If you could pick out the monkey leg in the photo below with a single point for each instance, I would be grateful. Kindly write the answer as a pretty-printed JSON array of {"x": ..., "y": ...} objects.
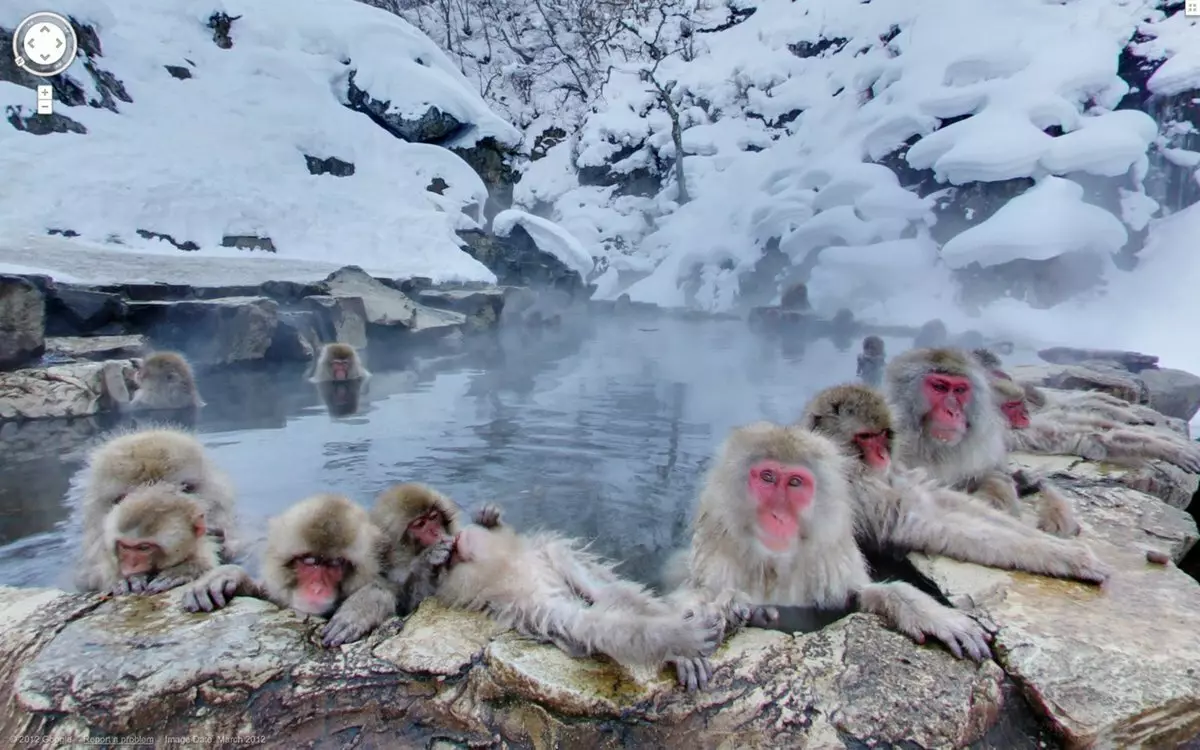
[
  {"x": 598, "y": 583},
  {"x": 998, "y": 490},
  {"x": 216, "y": 588},
  {"x": 489, "y": 516},
  {"x": 1055, "y": 514},
  {"x": 918, "y": 615},
  {"x": 362, "y": 612}
]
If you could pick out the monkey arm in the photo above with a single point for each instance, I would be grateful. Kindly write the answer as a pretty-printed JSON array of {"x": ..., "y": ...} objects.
[
  {"x": 362, "y": 612},
  {"x": 1133, "y": 444},
  {"x": 918, "y": 615},
  {"x": 216, "y": 588},
  {"x": 423, "y": 575}
]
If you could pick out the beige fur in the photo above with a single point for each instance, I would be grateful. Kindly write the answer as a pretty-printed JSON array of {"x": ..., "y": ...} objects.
[
  {"x": 413, "y": 571},
  {"x": 323, "y": 371},
  {"x": 141, "y": 457},
  {"x": 165, "y": 381},
  {"x": 823, "y": 566}
]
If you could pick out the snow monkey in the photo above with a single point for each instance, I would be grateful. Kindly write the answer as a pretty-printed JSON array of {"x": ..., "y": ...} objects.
[
  {"x": 872, "y": 361},
  {"x": 339, "y": 362},
  {"x": 902, "y": 508},
  {"x": 547, "y": 587},
  {"x": 1092, "y": 437},
  {"x": 155, "y": 540},
  {"x": 419, "y": 525},
  {"x": 322, "y": 558},
  {"x": 131, "y": 460},
  {"x": 948, "y": 423},
  {"x": 775, "y": 525},
  {"x": 165, "y": 381}
]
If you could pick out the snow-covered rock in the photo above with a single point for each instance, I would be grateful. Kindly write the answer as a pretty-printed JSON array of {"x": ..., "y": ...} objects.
[
  {"x": 549, "y": 238},
  {"x": 220, "y": 144}
]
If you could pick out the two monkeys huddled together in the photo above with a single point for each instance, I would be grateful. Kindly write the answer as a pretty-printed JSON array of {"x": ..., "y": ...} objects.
[{"x": 783, "y": 518}]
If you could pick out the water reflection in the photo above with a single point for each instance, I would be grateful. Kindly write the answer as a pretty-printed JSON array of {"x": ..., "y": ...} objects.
[{"x": 601, "y": 429}]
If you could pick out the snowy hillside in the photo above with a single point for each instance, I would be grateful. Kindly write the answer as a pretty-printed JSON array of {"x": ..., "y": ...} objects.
[
  {"x": 206, "y": 144},
  {"x": 838, "y": 132}
]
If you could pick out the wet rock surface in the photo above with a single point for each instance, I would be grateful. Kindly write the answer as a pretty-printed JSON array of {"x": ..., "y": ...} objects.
[
  {"x": 22, "y": 321},
  {"x": 68, "y": 390}
]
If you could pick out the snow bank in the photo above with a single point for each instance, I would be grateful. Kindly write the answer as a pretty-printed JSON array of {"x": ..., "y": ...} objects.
[
  {"x": 223, "y": 152},
  {"x": 548, "y": 236},
  {"x": 1044, "y": 222},
  {"x": 760, "y": 111}
]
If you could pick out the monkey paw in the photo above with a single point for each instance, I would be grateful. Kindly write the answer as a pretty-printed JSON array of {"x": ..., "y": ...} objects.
[
  {"x": 161, "y": 584},
  {"x": 439, "y": 552},
  {"x": 961, "y": 634},
  {"x": 1059, "y": 523},
  {"x": 342, "y": 630},
  {"x": 488, "y": 516},
  {"x": 1189, "y": 459},
  {"x": 211, "y": 593},
  {"x": 132, "y": 585},
  {"x": 693, "y": 674},
  {"x": 1085, "y": 566}
]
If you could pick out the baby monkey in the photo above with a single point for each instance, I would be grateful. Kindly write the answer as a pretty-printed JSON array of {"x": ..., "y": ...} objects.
[
  {"x": 872, "y": 361},
  {"x": 156, "y": 540},
  {"x": 165, "y": 381}
]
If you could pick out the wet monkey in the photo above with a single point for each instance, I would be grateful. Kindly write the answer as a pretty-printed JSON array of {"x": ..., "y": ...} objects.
[
  {"x": 775, "y": 526},
  {"x": 156, "y": 540},
  {"x": 322, "y": 558},
  {"x": 901, "y": 508},
  {"x": 165, "y": 381},
  {"x": 547, "y": 587},
  {"x": 948, "y": 423},
  {"x": 872, "y": 361},
  {"x": 130, "y": 460},
  {"x": 339, "y": 362}
]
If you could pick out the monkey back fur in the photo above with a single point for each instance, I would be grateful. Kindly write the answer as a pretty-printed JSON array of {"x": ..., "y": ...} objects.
[{"x": 843, "y": 411}]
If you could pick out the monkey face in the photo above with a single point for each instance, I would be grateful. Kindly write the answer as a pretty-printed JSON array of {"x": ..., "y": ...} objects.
[
  {"x": 427, "y": 528},
  {"x": 873, "y": 447},
  {"x": 137, "y": 556},
  {"x": 1016, "y": 413},
  {"x": 781, "y": 494},
  {"x": 318, "y": 583},
  {"x": 340, "y": 369},
  {"x": 947, "y": 397}
]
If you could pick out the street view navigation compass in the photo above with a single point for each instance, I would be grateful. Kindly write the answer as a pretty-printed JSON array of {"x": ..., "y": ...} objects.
[{"x": 44, "y": 44}]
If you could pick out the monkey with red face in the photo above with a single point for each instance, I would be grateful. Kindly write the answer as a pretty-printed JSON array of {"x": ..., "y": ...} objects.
[
  {"x": 339, "y": 362},
  {"x": 948, "y": 423},
  {"x": 775, "y": 527},
  {"x": 902, "y": 509},
  {"x": 322, "y": 558}
]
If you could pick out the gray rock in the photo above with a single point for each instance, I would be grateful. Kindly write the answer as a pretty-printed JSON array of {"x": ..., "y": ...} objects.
[
  {"x": 22, "y": 321},
  {"x": 74, "y": 310},
  {"x": 341, "y": 319},
  {"x": 96, "y": 348},
  {"x": 210, "y": 332},
  {"x": 1173, "y": 392},
  {"x": 482, "y": 307},
  {"x": 1094, "y": 377},
  {"x": 1066, "y": 355},
  {"x": 297, "y": 337},
  {"x": 72, "y": 390},
  {"x": 432, "y": 126},
  {"x": 386, "y": 306}
]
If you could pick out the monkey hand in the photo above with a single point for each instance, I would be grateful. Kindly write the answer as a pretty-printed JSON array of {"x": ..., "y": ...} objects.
[
  {"x": 215, "y": 590},
  {"x": 488, "y": 516},
  {"x": 693, "y": 674},
  {"x": 1083, "y": 565},
  {"x": 1187, "y": 457},
  {"x": 959, "y": 631},
  {"x": 135, "y": 584},
  {"x": 438, "y": 553},
  {"x": 166, "y": 583},
  {"x": 343, "y": 628}
]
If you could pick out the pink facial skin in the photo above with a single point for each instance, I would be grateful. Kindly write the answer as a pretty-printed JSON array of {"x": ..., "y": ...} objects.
[
  {"x": 780, "y": 493},
  {"x": 317, "y": 584},
  {"x": 947, "y": 395},
  {"x": 426, "y": 529},
  {"x": 340, "y": 368},
  {"x": 1016, "y": 413},
  {"x": 874, "y": 449}
]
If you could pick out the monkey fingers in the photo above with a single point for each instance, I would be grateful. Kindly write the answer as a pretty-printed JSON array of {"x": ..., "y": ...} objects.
[
  {"x": 211, "y": 593},
  {"x": 693, "y": 674},
  {"x": 135, "y": 584},
  {"x": 342, "y": 630},
  {"x": 488, "y": 516},
  {"x": 763, "y": 617},
  {"x": 961, "y": 634},
  {"x": 166, "y": 583}
]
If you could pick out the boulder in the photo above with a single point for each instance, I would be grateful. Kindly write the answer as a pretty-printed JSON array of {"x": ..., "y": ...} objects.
[
  {"x": 518, "y": 261},
  {"x": 1104, "y": 665},
  {"x": 1173, "y": 392},
  {"x": 210, "y": 332},
  {"x": 96, "y": 348},
  {"x": 1134, "y": 362},
  {"x": 1094, "y": 377},
  {"x": 297, "y": 337},
  {"x": 482, "y": 307},
  {"x": 70, "y": 390},
  {"x": 390, "y": 307},
  {"x": 22, "y": 321},
  {"x": 341, "y": 319},
  {"x": 75, "y": 310}
]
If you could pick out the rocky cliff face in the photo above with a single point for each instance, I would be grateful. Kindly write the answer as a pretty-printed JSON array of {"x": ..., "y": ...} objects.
[{"x": 1075, "y": 666}]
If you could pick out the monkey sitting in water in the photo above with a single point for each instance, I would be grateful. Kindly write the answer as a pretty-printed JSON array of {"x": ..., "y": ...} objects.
[{"x": 165, "y": 381}]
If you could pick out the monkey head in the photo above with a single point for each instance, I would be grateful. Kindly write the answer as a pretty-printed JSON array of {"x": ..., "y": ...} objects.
[
  {"x": 933, "y": 333},
  {"x": 768, "y": 481},
  {"x": 154, "y": 528},
  {"x": 340, "y": 359},
  {"x": 987, "y": 359},
  {"x": 872, "y": 346},
  {"x": 146, "y": 457},
  {"x": 165, "y": 369},
  {"x": 939, "y": 393},
  {"x": 320, "y": 551},
  {"x": 857, "y": 418},
  {"x": 415, "y": 515},
  {"x": 1011, "y": 398}
]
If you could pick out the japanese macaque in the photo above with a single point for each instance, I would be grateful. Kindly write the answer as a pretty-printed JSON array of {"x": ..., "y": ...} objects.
[
  {"x": 159, "y": 456},
  {"x": 932, "y": 334},
  {"x": 165, "y": 381},
  {"x": 1092, "y": 437},
  {"x": 341, "y": 397},
  {"x": 872, "y": 361},
  {"x": 156, "y": 540},
  {"x": 948, "y": 424},
  {"x": 547, "y": 587},
  {"x": 776, "y": 527},
  {"x": 795, "y": 297},
  {"x": 322, "y": 558},
  {"x": 901, "y": 508},
  {"x": 418, "y": 524},
  {"x": 339, "y": 362}
]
